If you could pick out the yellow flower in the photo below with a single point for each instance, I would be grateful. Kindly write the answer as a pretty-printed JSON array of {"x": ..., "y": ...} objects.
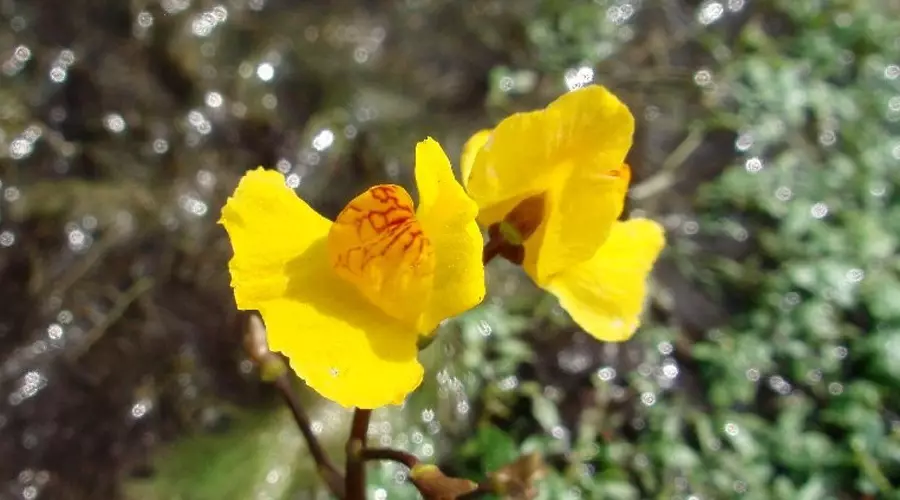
[
  {"x": 347, "y": 301},
  {"x": 551, "y": 184}
]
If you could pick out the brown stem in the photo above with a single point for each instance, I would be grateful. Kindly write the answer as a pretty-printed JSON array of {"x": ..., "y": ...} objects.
[
  {"x": 399, "y": 456},
  {"x": 355, "y": 484},
  {"x": 327, "y": 470},
  {"x": 492, "y": 249}
]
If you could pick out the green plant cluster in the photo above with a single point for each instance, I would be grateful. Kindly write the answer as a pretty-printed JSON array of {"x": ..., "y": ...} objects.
[{"x": 796, "y": 391}]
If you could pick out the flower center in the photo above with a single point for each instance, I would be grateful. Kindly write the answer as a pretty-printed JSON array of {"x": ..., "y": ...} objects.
[
  {"x": 377, "y": 244},
  {"x": 519, "y": 224}
]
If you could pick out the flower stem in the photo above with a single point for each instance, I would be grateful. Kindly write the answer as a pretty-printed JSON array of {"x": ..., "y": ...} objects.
[
  {"x": 327, "y": 470},
  {"x": 399, "y": 456},
  {"x": 355, "y": 484},
  {"x": 492, "y": 249}
]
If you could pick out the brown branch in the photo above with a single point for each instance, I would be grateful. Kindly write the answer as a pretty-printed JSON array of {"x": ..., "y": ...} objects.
[
  {"x": 273, "y": 368},
  {"x": 325, "y": 467},
  {"x": 492, "y": 249},
  {"x": 355, "y": 485},
  {"x": 399, "y": 456}
]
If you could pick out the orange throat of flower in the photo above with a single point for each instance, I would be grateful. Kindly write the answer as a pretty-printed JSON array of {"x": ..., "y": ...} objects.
[
  {"x": 378, "y": 245},
  {"x": 508, "y": 237}
]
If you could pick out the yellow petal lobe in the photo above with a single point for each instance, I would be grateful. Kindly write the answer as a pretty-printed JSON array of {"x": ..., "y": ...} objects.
[
  {"x": 378, "y": 245},
  {"x": 606, "y": 294},
  {"x": 345, "y": 348},
  {"x": 470, "y": 151},
  {"x": 447, "y": 215},
  {"x": 268, "y": 226},
  {"x": 340, "y": 343},
  {"x": 588, "y": 129},
  {"x": 578, "y": 220}
]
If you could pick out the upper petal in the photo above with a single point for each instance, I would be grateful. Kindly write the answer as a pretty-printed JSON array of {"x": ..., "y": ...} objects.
[
  {"x": 606, "y": 294},
  {"x": 579, "y": 216},
  {"x": 342, "y": 345},
  {"x": 268, "y": 225},
  {"x": 470, "y": 151},
  {"x": 587, "y": 129},
  {"x": 379, "y": 245},
  {"x": 447, "y": 216}
]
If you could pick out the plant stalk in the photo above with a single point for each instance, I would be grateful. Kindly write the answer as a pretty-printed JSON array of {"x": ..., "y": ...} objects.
[
  {"x": 355, "y": 485},
  {"x": 329, "y": 473}
]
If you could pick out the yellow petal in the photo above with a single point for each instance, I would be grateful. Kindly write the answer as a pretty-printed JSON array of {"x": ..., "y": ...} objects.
[
  {"x": 470, "y": 151},
  {"x": 448, "y": 215},
  {"x": 268, "y": 226},
  {"x": 578, "y": 217},
  {"x": 587, "y": 130},
  {"x": 606, "y": 294},
  {"x": 342, "y": 345},
  {"x": 377, "y": 244}
]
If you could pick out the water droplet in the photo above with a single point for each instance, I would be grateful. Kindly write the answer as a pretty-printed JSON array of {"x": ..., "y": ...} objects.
[
  {"x": 20, "y": 148},
  {"x": 731, "y": 429},
  {"x": 735, "y": 5},
  {"x": 827, "y": 138},
  {"x": 11, "y": 194},
  {"x": 743, "y": 142},
  {"x": 703, "y": 77},
  {"x": 855, "y": 275},
  {"x": 22, "y": 53},
  {"x": 160, "y": 146},
  {"x": 753, "y": 165},
  {"x": 891, "y": 72},
  {"x": 665, "y": 348},
  {"x": 780, "y": 385},
  {"x": 29, "y": 492},
  {"x": 576, "y": 78},
  {"x": 894, "y": 103},
  {"x": 78, "y": 240},
  {"x": 66, "y": 58},
  {"x": 141, "y": 408},
  {"x": 648, "y": 398},
  {"x": 213, "y": 99},
  {"x": 508, "y": 383},
  {"x": 145, "y": 19},
  {"x": 7, "y": 238},
  {"x": 784, "y": 193},
  {"x": 265, "y": 72},
  {"x": 114, "y": 123},
  {"x": 323, "y": 140},
  {"x": 55, "y": 331},
  {"x": 606, "y": 373},
  {"x": 670, "y": 370},
  {"x": 819, "y": 210},
  {"x": 710, "y": 12}
]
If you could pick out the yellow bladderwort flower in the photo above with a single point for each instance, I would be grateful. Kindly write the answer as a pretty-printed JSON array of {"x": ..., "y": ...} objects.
[
  {"x": 346, "y": 301},
  {"x": 550, "y": 185}
]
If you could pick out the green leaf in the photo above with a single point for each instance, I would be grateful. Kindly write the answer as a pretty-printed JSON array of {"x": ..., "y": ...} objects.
[{"x": 495, "y": 447}]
